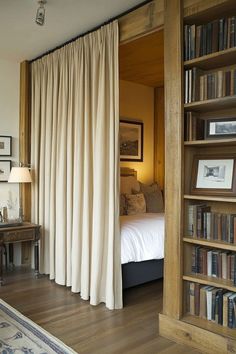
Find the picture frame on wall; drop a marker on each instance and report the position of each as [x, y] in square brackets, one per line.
[221, 128]
[5, 169]
[214, 175]
[131, 140]
[5, 145]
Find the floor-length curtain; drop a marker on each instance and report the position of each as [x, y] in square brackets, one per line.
[75, 127]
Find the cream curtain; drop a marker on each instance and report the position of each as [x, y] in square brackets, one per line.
[75, 127]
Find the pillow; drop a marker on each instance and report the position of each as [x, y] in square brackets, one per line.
[123, 208]
[153, 197]
[127, 184]
[135, 204]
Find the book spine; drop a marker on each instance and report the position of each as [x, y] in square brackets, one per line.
[221, 34]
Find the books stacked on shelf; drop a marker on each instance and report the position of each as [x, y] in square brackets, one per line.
[201, 86]
[209, 38]
[208, 225]
[214, 304]
[214, 263]
[194, 127]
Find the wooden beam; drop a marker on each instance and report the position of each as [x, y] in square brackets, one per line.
[173, 158]
[159, 137]
[24, 147]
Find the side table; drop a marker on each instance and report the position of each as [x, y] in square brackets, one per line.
[21, 233]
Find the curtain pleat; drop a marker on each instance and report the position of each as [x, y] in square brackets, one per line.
[75, 156]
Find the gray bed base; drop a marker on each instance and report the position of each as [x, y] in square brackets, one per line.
[136, 273]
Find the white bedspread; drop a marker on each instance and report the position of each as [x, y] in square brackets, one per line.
[142, 237]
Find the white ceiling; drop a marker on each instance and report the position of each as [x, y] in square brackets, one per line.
[21, 39]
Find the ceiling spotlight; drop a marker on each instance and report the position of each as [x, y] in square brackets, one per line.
[40, 14]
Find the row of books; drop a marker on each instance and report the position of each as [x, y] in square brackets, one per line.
[214, 304]
[201, 86]
[214, 263]
[194, 127]
[203, 223]
[209, 38]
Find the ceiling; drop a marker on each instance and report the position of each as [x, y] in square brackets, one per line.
[21, 39]
[142, 60]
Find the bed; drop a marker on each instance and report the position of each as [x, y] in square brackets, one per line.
[142, 245]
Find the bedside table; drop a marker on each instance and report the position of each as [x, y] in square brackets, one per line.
[21, 233]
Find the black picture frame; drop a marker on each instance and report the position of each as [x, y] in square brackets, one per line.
[5, 145]
[131, 150]
[211, 125]
[5, 169]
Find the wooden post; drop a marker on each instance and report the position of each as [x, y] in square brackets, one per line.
[172, 305]
[24, 146]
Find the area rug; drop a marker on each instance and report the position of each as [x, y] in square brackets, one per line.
[18, 334]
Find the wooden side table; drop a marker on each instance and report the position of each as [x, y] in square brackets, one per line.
[21, 233]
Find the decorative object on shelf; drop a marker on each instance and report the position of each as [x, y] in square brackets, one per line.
[40, 14]
[220, 128]
[5, 145]
[20, 175]
[214, 175]
[5, 168]
[131, 141]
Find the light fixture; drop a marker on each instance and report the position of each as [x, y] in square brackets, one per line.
[40, 14]
[20, 175]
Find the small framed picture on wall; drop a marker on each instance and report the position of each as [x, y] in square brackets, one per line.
[5, 145]
[5, 169]
[131, 140]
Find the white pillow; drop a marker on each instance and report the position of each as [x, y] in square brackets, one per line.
[127, 184]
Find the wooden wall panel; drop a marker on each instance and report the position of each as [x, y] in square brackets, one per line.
[159, 136]
[24, 147]
[172, 304]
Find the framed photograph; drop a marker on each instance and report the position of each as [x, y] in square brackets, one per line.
[220, 128]
[5, 145]
[214, 175]
[131, 141]
[5, 169]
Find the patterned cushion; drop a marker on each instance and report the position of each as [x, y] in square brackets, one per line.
[135, 204]
[123, 207]
[153, 197]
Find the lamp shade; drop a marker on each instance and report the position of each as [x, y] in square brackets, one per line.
[19, 175]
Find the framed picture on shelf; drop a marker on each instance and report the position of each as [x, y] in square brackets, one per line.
[5, 145]
[131, 141]
[214, 175]
[221, 128]
[5, 169]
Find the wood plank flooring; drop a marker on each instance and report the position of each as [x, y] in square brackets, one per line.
[88, 329]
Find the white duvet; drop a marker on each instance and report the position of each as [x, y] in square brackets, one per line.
[142, 237]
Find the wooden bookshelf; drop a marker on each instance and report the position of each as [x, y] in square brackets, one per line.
[175, 322]
[210, 243]
[214, 104]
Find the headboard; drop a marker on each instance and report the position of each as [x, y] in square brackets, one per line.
[126, 171]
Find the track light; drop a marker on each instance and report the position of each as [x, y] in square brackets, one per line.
[40, 14]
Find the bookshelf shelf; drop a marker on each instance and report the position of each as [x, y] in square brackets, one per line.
[211, 105]
[210, 198]
[205, 280]
[210, 243]
[209, 325]
[212, 142]
[213, 60]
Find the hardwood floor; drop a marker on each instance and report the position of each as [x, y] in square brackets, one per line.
[88, 329]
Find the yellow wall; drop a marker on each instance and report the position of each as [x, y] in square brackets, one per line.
[137, 103]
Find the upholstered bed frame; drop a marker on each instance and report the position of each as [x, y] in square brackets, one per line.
[136, 273]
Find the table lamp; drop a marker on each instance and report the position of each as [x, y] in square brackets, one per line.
[20, 175]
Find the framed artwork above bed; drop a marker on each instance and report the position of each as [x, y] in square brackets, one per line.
[131, 140]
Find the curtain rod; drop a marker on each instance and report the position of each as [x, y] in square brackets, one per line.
[92, 30]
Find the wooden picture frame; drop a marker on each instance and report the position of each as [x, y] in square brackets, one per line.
[131, 141]
[214, 175]
[221, 128]
[5, 169]
[5, 145]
